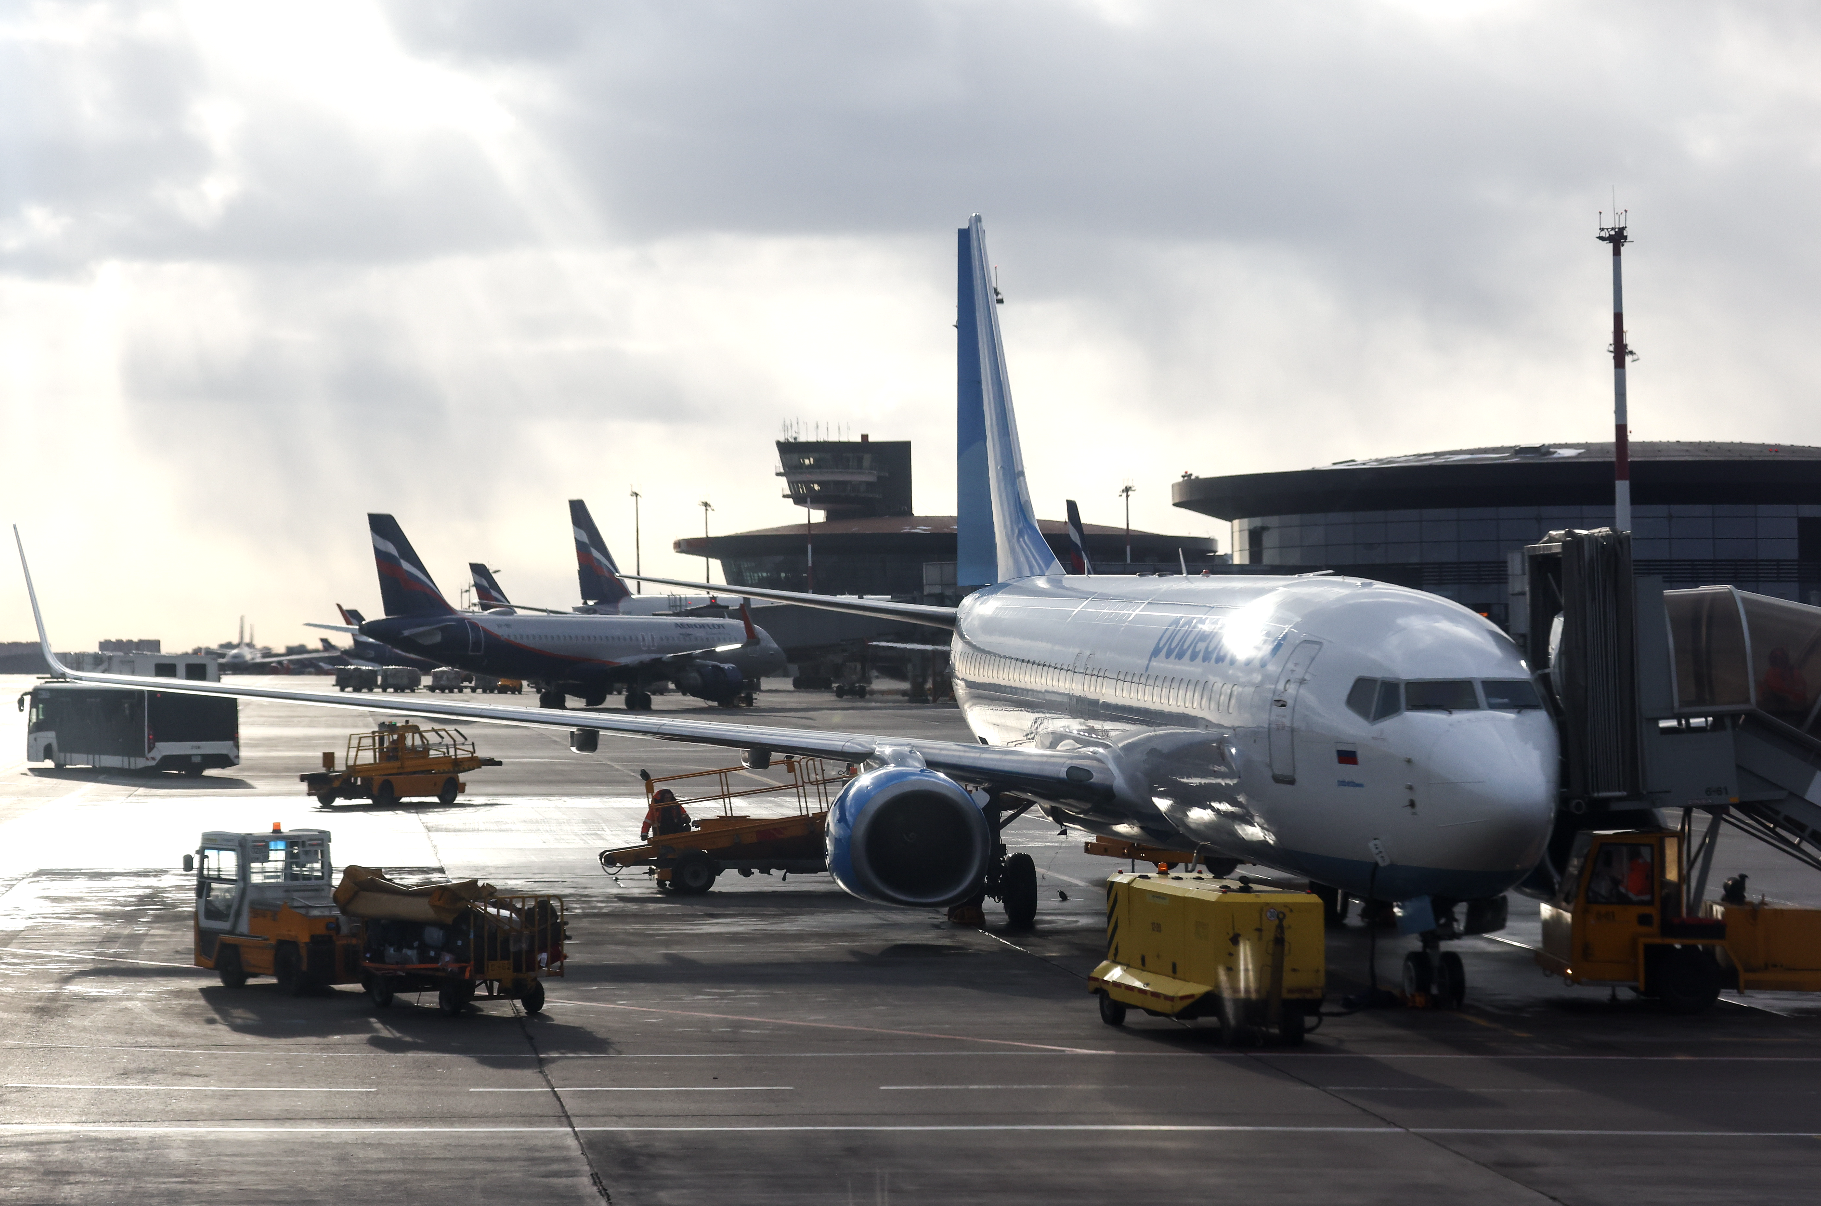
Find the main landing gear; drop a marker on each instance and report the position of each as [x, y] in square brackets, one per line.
[1434, 976]
[637, 700]
[552, 699]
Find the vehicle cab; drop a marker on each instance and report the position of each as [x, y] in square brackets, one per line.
[264, 906]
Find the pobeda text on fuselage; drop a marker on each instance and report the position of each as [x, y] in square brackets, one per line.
[1377, 739]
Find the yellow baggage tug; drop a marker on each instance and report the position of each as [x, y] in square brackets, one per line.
[264, 908]
[397, 760]
[1192, 946]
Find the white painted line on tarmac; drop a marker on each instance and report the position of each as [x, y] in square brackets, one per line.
[25, 950]
[191, 1088]
[1093, 1127]
[652, 1089]
[889, 1087]
[734, 1017]
[1435, 1089]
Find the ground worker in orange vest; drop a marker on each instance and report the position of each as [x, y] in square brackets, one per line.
[665, 813]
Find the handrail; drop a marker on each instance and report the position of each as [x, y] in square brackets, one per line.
[808, 778]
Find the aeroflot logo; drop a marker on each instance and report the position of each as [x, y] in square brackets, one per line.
[1207, 640]
[389, 550]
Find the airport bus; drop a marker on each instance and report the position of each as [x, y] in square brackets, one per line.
[72, 724]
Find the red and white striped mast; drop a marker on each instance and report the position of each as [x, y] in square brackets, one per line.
[1621, 434]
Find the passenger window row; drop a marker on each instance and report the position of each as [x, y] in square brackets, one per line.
[1376, 699]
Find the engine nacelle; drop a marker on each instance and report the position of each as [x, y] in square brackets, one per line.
[907, 835]
[716, 681]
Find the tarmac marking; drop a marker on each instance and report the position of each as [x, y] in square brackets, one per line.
[886, 1087]
[20, 950]
[191, 1088]
[735, 1017]
[652, 1089]
[1092, 1127]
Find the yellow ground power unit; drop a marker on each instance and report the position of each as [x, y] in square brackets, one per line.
[1192, 946]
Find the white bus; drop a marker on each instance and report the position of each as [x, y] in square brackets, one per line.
[77, 725]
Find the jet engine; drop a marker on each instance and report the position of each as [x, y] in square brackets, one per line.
[905, 835]
[716, 681]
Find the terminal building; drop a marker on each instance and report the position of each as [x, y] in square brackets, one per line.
[868, 542]
[1455, 523]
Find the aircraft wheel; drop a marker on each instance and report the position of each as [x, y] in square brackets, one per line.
[449, 791]
[1419, 974]
[228, 968]
[1450, 981]
[594, 701]
[1018, 890]
[1111, 1012]
[644, 701]
[552, 699]
[693, 875]
[385, 795]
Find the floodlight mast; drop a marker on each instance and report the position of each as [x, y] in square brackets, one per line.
[1621, 437]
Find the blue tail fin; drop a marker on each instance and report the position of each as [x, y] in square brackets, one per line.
[1022, 550]
[405, 586]
[350, 616]
[600, 577]
[487, 590]
[1078, 547]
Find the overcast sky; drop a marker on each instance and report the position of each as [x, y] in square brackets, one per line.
[265, 268]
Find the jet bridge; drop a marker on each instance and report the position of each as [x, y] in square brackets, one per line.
[1707, 701]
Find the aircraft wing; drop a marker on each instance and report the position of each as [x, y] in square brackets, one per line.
[915, 613]
[1053, 774]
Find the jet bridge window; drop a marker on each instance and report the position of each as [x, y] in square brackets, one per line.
[1441, 695]
[1376, 699]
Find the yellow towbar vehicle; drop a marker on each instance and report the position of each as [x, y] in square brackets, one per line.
[394, 761]
[1192, 946]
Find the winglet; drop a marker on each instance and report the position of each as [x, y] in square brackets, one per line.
[44, 642]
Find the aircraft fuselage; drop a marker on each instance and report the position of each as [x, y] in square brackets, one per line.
[1225, 704]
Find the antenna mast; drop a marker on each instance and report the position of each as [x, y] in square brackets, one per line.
[1621, 437]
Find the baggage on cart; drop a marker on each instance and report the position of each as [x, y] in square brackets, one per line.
[459, 940]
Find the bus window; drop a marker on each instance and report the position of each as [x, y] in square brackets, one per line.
[219, 875]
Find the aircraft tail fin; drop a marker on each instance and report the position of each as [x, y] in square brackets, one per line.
[487, 590]
[405, 586]
[600, 577]
[1078, 548]
[1022, 550]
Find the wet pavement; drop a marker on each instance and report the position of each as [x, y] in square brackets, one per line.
[776, 1041]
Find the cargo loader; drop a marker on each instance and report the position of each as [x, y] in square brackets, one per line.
[688, 862]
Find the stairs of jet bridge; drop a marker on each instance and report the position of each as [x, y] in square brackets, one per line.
[1779, 780]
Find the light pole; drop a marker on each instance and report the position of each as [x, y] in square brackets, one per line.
[1621, 352]
[1126, 492]
[706, 508]
[638, 559]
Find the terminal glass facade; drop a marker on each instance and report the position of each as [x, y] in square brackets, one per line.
[1465, 553]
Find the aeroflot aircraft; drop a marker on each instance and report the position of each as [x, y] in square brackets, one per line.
[1378, 740]
[713, 659]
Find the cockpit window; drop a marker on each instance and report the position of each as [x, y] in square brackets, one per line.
[1441, 695]
[1376, 699]
[1511, 694]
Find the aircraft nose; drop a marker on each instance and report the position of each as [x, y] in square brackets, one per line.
[1491, 785]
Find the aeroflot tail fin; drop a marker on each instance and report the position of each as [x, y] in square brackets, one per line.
[1078, 548]
[487, 590]
[405, 586]
[1022, 550]
[600, 577]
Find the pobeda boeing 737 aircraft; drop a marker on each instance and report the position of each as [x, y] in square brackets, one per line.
[1378, 740]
